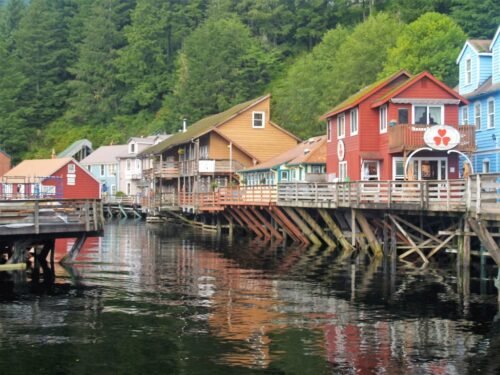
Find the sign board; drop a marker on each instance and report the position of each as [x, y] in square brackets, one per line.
[441, 137]
[206, 166]
[341, 149]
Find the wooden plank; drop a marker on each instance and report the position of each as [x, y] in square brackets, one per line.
[284, 227]
[415, 247]
[267, 224]
[291, 225]
[480, 228]
[303, 226]
[12, 267]
[368, 232]
[314, 225]
[337, 232]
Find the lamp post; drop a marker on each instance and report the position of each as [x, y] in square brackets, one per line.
[230, 161]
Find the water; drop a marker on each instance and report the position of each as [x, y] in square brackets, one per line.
[152, 300]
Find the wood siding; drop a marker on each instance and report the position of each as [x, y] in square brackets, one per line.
[263, 143]
[5, 163]
[86, 187]
[219, 150]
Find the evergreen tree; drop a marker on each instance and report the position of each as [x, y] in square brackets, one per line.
[12, 14]
[431, 43]
[478, 18]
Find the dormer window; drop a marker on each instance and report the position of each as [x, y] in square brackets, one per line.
[131, 148]
[258, 119]
[468, 71]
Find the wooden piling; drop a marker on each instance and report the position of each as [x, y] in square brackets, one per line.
[314, 225]
[290, 225]
[337, 232]
[303, 226]
[267, 224]
[367, 230]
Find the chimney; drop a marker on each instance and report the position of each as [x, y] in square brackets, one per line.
[184, 125]
[53, 156]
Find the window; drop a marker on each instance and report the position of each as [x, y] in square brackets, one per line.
[403, 116]
[71, 168]
[284, 175]
[103, 170]
[477, 115]
[491, 113]
[129, 164]
[428, 115]
[112, 169]
[138, 165]
[354, 121]
[329, 130]
[132, 148]
[341, 126]
[371, 170]
[204, 152]
[486, 166]
[129, 188]
[383, 119]
[258, 119]
[465, 115]
[113, 189]
[316, 169]
[468, 71]
[342, 171]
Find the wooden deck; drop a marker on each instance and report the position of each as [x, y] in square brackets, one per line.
[479, 195]
[61, 218]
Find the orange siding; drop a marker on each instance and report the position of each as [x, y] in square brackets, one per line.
[219, 150]
[262, 143]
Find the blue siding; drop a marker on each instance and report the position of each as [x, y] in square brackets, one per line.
[464, 88]
[484, 68]
[496, 61]
[109, 180]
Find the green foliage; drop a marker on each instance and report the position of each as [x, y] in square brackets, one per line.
[478, 18]
[410, 10]
[431, 43]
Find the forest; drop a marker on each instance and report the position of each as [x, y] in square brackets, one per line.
[110, 69]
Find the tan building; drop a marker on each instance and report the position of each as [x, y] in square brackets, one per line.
[206, 155]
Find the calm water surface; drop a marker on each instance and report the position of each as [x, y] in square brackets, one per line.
[155, 300]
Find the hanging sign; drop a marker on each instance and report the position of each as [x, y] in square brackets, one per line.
[441, 137]
[341, 149]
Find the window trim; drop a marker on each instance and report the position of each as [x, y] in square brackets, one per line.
[477, 105]
[465, 115]
[132, 149]
[354, 111]
[341, 163]
[341, 136]
[486, 162]
[263, 119]
[329, 130]
[468, 70]
[382, 118]
[283, 172]
[102, 170]
[490, 114]
[72, 168]
[443, 121]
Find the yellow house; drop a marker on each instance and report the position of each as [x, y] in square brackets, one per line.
[206, 154]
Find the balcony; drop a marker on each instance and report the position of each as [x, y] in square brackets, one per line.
[166, 170]
[409, 137]
[208, 167]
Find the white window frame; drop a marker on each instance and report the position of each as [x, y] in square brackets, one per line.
[365, 177]
[443, 121]
[419, 160]
[329, 130]
[263, 119]
[341, 126]
[283, 173]
[477, 115]
[486, 166]
[128, 163]
[131, 148]
[490, 116]
[71, 168]
[468, 70]
[343, 171]
[465, 115]
[354, 121]
[383, 119]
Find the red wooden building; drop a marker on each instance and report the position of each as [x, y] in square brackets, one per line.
[372, 133]
[50, 178]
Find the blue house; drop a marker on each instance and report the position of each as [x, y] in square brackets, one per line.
[479, 82]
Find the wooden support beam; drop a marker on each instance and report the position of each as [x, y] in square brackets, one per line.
[315, 226]
[267, 224]
[75, 249]
[414, 227]
[415, 247]
[337, 232]
[303, 226]
[367, 230]
[284, 227]
[12, 266]
[256, 222]
[440, 246]
[290, 225]
[481, 230]
[247, 223]
[232, 215]
[350, 219]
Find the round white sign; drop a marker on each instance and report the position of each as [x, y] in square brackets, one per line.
[341, 149]
[442, 137]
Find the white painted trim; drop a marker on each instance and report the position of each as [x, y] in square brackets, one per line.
[420, 159]
[488, 125]
[354, 110]
[497, 34]
[263, 119]
[476, 103]
[467, 43]
[329, 130]
[385, 108]
[338, 126]
[413, 121]
[468, 82]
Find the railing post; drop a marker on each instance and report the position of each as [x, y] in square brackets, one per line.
[316, 192]
[37, 217]
[478, 194]
[87, 216]
[296, 192]
[468, 191]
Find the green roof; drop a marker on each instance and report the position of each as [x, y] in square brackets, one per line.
[73, 148]
[201, 127]
[354, 99]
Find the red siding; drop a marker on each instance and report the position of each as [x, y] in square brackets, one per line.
[86, 187]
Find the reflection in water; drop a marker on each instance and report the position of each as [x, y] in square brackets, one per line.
[160, 300]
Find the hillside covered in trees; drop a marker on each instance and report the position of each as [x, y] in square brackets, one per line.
[109, 69]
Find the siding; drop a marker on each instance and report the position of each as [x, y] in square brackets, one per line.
[263, 143]
[462, 87]
[496, 61]
[85, 186]
[5, 164]
[218, 149]
[485, 66]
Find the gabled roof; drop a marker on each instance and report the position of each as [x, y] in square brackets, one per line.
[149, 140]
[479, 46]
[405, 85]
[364, 93]
[38, 167]
[486, 88]
[497, 34]
[73, 148]
[311, 151]
[203, 126]
[105, 155]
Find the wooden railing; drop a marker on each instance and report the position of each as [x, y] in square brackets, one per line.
[411, 136]
[26, 217]
[126, 200]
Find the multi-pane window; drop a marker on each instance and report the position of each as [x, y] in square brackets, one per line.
[341, 126]
[468, 71]
[428, 115]
[258, 119]
[491, 113]
[103, 170]
[284, 175]
[354, 121]
[342, 171]
[465, 115]
[403, 116]
[477, 115]
[383, 119]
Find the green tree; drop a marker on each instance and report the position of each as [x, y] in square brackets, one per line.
[410, 10]
[220, 65]
[431, 43]
[478, 18]
[12, 14]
